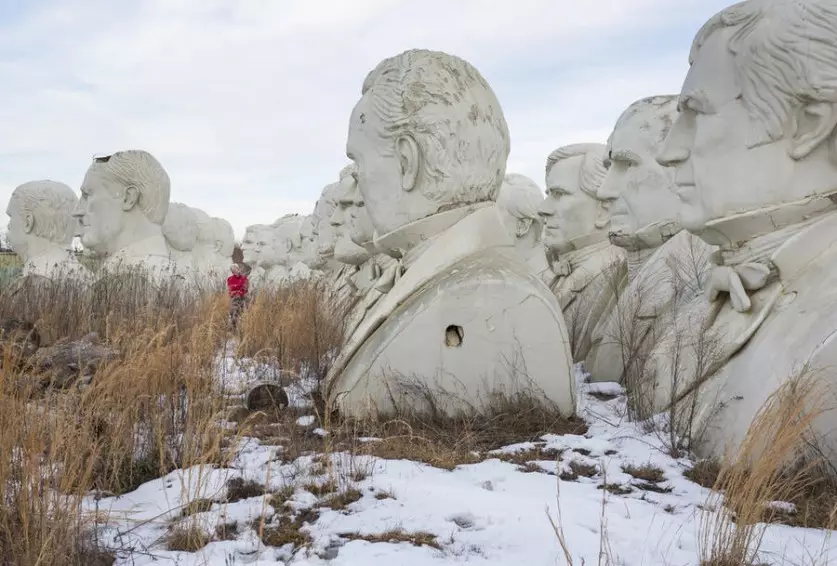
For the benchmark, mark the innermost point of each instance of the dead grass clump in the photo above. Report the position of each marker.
(239, 489)
(197, 506)
(182, 539)
(450, 441)
(772, 464)
(381, 495)
(615, 488)
(277, 500)
(579, 469)
(524, 457)
(287, 530)
(395, 536)
(342, 499)
(704, 473)
(319, 489)
(227, 531)
(646, 472)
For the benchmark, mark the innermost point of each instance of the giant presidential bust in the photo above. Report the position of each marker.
(463, 315)
(124, 201)
(664, 262)
(519, 202)
(41, 230)
(753, 154)
(587, 269)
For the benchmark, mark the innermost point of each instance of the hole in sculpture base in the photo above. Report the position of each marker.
(454, 335)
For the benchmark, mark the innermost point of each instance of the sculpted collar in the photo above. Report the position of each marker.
(753, 246)
(409, 241)
(569, 261)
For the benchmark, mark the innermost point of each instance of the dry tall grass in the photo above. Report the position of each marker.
(153, 409)
(773, 464)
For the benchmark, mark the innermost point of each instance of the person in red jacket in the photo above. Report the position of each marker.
(237, 287)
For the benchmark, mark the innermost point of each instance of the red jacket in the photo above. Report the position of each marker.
(237, 285)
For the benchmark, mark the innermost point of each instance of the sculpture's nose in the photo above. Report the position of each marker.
(609, 189)
(545, 210)
(336, 218)
(675, 148)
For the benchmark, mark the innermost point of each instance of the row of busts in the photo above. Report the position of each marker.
(123, 218)
(690, 257)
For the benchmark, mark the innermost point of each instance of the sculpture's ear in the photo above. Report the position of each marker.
(409, 155)
(28, 223)
(289, 245)
(523, 227)
(130, 198)
(815, 123)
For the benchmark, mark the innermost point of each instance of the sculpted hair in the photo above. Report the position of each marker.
(521, 197)
(657, 115)
(447, 106)
(51, 206)
(785, 54)
(592, 172)
(180, 228)
(140, 169)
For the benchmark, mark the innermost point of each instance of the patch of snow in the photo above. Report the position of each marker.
(306, 421)
(492, 512)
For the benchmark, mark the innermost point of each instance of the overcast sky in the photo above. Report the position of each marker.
(246, 102)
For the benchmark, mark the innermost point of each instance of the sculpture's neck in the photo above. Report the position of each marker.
(138, 233)
(410, 241)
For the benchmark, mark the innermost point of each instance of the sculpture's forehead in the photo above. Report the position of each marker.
(565, 174)
(712, 74)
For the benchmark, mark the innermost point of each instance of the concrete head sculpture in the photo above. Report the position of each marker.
(180, 227)
(260, 246)
(641, 189)
(222, 236)
(286, 235)
(41, 226)
(572, 208)
(400, 134)
(344, 221)
(124, 201)
(519, 201)
(757, 111)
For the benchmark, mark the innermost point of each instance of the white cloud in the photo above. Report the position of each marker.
(246, 103)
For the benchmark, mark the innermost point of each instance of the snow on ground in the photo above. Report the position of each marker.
(490, 513)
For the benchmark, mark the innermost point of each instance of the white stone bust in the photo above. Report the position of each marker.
(345, 249)
(260, 247)
(124, 201)
(663, 261)
(41, 229)
(213, 249)
(588, 270)
(180, 229)
(574, 217)
(445, 308)
(324, 235)
(519, 201)
(753, 155)
(644, 209)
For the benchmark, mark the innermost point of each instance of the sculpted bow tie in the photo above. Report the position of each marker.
(737, 281)
(563, 268)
